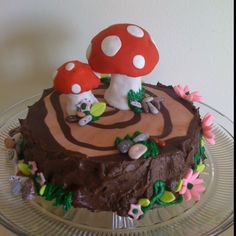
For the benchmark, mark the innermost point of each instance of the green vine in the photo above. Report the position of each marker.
(159, 188)
(135, 96)
(198, 157)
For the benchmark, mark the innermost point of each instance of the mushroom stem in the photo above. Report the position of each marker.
(120, 85)
(74, 99)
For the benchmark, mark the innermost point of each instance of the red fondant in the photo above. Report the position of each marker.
(81, 74)
(122, 61)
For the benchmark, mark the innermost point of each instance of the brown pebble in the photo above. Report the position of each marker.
(161, 143)
(157, 102)
(145, 107)
(9, 143)
(148, 99)
(152, 108)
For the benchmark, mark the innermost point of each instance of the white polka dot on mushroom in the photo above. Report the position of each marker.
(76, 88)
(139, 61)
(111, 45)
(89, 51)
(135, 31)
(70, 66)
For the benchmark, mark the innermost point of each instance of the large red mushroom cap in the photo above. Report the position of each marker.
(75, 77)
(123, 49)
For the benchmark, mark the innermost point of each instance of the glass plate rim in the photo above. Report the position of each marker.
(224, 225)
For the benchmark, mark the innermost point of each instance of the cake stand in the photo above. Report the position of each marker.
(210, 216)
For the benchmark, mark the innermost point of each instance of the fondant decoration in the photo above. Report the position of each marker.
(148, 99)
(144, 202)
(152, 108)
(136, 104)
(76, 80)
(192, 186)
(199, 157)
(15, 178)
(185, 93)
(135, 211)
(60, 195)
(147, 104)
(152, 149)
(18, 173)
(98, 109)
(136, 151)
(16, 188)
(207, 129)
(85, 120)
(179, 185)
(158, 190)
(87, 113)
(145, 107)
(167, 197)
(161, 143)
(9, 143)
(33, 167)
(28, 192)
(127, 52)
(40, 178)
(135, 97)
(83, 106)
(141, 137)
(24, 168)
(157, 102)
(124, 146)
(201, 168)
(42, 190)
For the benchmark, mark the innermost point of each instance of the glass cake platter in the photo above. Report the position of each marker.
(210, 216)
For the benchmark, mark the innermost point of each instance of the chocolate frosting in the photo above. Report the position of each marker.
(101, 178)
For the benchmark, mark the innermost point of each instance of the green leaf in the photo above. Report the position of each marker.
(179, 185)
(98, 109)
(167, 197)
(24, 168)
(200, 168)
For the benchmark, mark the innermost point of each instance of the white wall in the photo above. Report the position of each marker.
(195, 40)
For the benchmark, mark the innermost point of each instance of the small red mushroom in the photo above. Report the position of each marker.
(76, 80)
(127, 52)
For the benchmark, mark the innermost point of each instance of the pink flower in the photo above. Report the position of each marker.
(135, 211)
(84, 106)
(184, 92)
(33, 167)
(207, 128)
(41, 179)
(192, 186)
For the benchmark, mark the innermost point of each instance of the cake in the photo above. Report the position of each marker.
(113, 143)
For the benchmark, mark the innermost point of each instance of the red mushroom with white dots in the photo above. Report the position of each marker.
(76, 80)
(127, 52)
